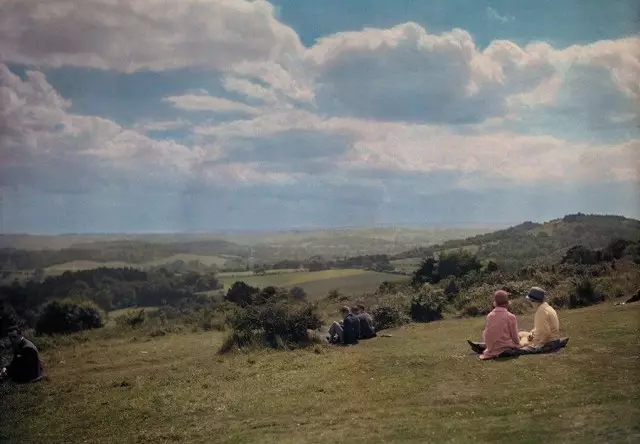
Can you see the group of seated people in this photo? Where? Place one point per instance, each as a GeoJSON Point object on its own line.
{"type": "Point", "coordinates": [501, 337]}
{"type": "Point", "coordinates": [26, 365]}
{"type": "Point", "coordinates": [356, 324]}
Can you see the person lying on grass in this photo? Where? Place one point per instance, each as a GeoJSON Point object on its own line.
{"type": "Point", "coordinates": [546, 326]}
{"type": "Point", "coordinates": [26, 365]}
{"type": "Point", "coordinates": [500, 334]}
{"type": "Point", "coordinates": [367, 331]}
{"type": "Point", "coordinates": [347, 331]}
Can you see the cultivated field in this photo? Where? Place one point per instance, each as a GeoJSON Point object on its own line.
{"type": "Point", "coordinates": [420, 385]}
{"type": "Point", "coordinates": [318, 283]}
{"type": "Point", "coordinates": [80, 265]}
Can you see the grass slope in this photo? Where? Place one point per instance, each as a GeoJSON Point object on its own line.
{"type": "Point", "coordinates": [421, 385]}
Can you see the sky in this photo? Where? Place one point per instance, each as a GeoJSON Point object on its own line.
{"type": "Point", "coordinates": [204, 115]}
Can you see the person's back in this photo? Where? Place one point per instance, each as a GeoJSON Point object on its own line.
{"type": "Point", "coordinates": [501, 331]}
{"type": "Point", "coordinates": [351, 326]}
{"type": "Point", "coordinates": [546, 325]}
{"type": "Point", "coordinates": [367, 330]}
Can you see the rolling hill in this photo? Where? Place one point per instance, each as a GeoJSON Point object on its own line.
{"type": "Point", "coordinates": [24, 252]}
{"type": "Point", "coordinates": [531, 243]}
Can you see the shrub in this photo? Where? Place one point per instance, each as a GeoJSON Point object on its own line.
{"type": "Point", "coordinates": [520, 306]}
{"type": "Point", "coordinates": [391, 312]}
{"type": "Point", "coordinates": [584, 294]}
{"type": "Point", "coordinates": [242, 294]}
{"type": "Point", "coordinates": [272, 325]}
{"type": "Point", "coordinates": [67, 316]}
{"type": "Point", "coordinates": [387, 287]}
{"type": "Point", "coordinates": [451, 290]}
{"type": "Point", "coordinates": [428, 304]}
{"type": "Point", "coordinates": [336, 295]}
{"type": "Point", "coordinates": [475, 301]}
{"type": "Point", "coordinates": [491, 267]}
{"type": "Point", "coordinates": [132, 319]}
{"type": "Point", "coordinates": [208, 321]}
{"type": "Point", "coordinates": [298, 293]}
{"type": "Point", "coordinates": [559, 297]}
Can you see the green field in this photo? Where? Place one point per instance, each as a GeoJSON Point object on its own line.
{"type": "Point", "coordinates": [80, 265]}
{"type": "Point", "coordinates": [204, 260]}
{"type": "Point", "coordinates": [408, 265]}
{"type": "Point", "coordinates": [420, 385]}
{"type": "Point", "coordinates": [318, 283]}
{"type": "Point", "coordinates": [84, 265]}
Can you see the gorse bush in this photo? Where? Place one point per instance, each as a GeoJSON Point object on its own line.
{"type": "Point", "coordinates": [428, 304]}
{"type": "Point", "coordinates": [391, 311]}
{"type": "Point", "coordinates": [520, 306]}
{"type": "Point", "coordinates": [132, 319]}
{"type": "Point", "coordinates": [273, 325]}
{"type": "Point", "coordinates": [584, 294]}
{"type": "Point", "coordinates": [68, 316]}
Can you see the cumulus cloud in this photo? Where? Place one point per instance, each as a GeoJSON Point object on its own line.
{"type": "Point", "coordinates": [137, 35]}
{"type": "Point", "coordinates": [44, 145]}
{"type": "Point", "coordinates": [405, 73]}
{"type": "Point", "coordinates": [374, 109]}
{"type": "Point", "coordinates": [353, 147]}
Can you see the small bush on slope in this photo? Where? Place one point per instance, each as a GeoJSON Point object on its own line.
{"type": "Point", "coordinates": [68, 316]}
{"type": "Point", "coordinates": [273, 325]}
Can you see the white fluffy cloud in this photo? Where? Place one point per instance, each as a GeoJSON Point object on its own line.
{"type": "Point", "coordinates": [494, 159]}
{"type": "Point", "coordinates": [404, 73]}
{"type": "Point", "coordinates": [481, 160]}
{"type": "Point", "coordinates": [382, 100]}
{"type": "Point", "coordinates": [43, 144]}
{"type": "Point", "coordinates": [407, 74]}
{"type": "Point", "coordinates": [136, 35]}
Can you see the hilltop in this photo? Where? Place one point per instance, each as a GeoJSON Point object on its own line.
{"type": "Point", "coordinates": [538, 243]}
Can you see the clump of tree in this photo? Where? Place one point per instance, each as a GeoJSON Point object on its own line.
{"type": "Point", "coordinates": [455, 264]}
{"type": "Point", "coordinates": [69, 316]}
{"type": "Point", "coordinates": [245, 295]}
{"type": "Point", "coordinates": [108, 288]}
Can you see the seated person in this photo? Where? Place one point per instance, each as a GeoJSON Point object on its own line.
{"type": "Point", "coordinates": [546, 326]}
{"type": "Point", "coordinates": [26, 365]}
{"type": "Point", "coordinates": [367, 330]}
{"type": "Point", "coordinates": [501, 331]}
{"type": "Point", "coordinates": [347, 331]}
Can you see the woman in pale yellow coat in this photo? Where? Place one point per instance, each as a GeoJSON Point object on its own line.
{"type": "Point", "coordinates": [546, 326]}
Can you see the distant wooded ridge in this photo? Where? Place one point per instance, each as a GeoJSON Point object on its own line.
{"type": "Point", "coordinates": [373, 248]}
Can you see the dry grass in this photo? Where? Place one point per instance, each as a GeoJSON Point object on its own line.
{"type": "Point", "coordinates": [420, 385]}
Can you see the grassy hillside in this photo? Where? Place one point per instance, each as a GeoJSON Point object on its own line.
{"type": "Point", "coordinates": [530, 243]}
{"type": "Point", "coordinates": [420, 385]}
